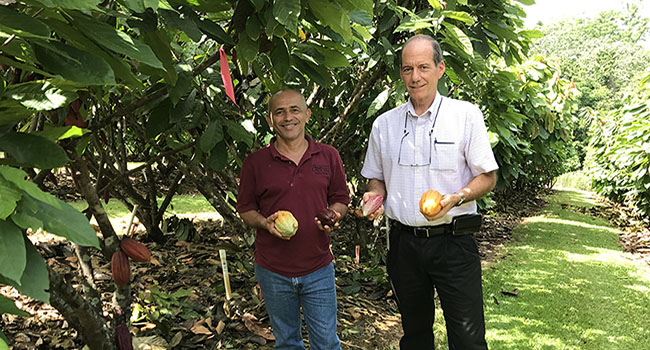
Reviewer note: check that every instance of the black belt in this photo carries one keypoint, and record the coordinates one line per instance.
(424, 231)
(460, 225)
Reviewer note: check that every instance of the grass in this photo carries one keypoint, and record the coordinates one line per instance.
(181, 205)
(577, 288)
(575, 180)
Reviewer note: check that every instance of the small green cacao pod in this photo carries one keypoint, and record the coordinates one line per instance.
(286, 223)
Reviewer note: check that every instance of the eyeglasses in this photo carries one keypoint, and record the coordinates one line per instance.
(413, 163)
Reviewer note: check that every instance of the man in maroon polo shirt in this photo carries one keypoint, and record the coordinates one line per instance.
(294, 173)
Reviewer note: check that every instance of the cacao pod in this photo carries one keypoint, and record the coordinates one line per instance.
(372, 204)
(124, 339)
(135, 250)
(430, 202)
(327, 217)
(120, 268)
(286, 223)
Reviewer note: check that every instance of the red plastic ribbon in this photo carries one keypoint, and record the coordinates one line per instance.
(225, 76)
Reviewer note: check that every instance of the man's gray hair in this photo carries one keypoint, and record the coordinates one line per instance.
(268, 107)
(437, 51)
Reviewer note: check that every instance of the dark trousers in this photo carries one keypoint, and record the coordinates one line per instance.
(451, 265)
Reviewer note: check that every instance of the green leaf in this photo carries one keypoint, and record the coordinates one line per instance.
(357, 5)
(79, 66)
(527, 2)
(186, 25)
(8, 306)
(459, 15)
(115, 40)
(313, 71)
(239, 133)
(219, 156)
(361, 17)
(140, 6)
(33, 150)
(158, 119)
(182, 86)
(22, 25)
(55, 133)
(211, 136)
(435, 4)
(118, 65)
(333, 58)
(377, 103)
(40, 95)
(460, 37)
(18, 178)
(280, 57)
(211, 29)
(4, 342)
(159, 42)
(246, 47)
(259, 4)
(287, 12)
(12, 112)
(12, 251)
(71, 4)
(35, 280)
(66, 222)
(412, 25)
(332, 16)
(10, 196)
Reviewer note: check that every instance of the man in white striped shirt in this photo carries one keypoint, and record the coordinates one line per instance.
(432, 142)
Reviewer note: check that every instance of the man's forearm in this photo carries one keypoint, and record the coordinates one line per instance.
(253, 219)
(479, 186)
(377, 186)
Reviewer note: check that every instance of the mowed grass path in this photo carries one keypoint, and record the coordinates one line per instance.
(577, 288)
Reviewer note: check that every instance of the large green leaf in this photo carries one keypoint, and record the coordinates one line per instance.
(219, 156)
(18, 178)
(12, 112)
(22, 25)
(330, 15)
(186, 25)
(65, 222)
(115, 40)
(8, 306)
(459, 37)
(72, 4)
(55, 133)
(84, 67)
(314, 71)
(12, 251)
(287, 12)
(211, 136)
(159, 42)
(40, 95)
(247, 48)
(378, 103)
(280, 57)
(459, 15)
(352, 5)
(239, 133)
(35, 280)
(412, 25)
(140, 6)
(10, 196)
(4, 342)
(158, 119)
(72, 35)
(33, 150)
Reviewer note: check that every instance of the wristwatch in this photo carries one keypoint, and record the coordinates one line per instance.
(462, 198)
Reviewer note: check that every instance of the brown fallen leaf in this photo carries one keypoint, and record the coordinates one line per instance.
(199, 328)
(255, 326)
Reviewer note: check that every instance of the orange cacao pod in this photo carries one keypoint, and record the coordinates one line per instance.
(135, 250)
(430, 202)
(120, 268)
(124, 339)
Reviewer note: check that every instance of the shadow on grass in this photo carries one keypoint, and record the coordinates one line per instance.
(577, 289)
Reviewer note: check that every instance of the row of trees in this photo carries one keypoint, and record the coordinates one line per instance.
(181, 87)
(606, 59)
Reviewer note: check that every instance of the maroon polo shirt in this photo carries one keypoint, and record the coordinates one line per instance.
(271, 182)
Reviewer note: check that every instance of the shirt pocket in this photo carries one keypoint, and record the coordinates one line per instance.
(445, 155)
